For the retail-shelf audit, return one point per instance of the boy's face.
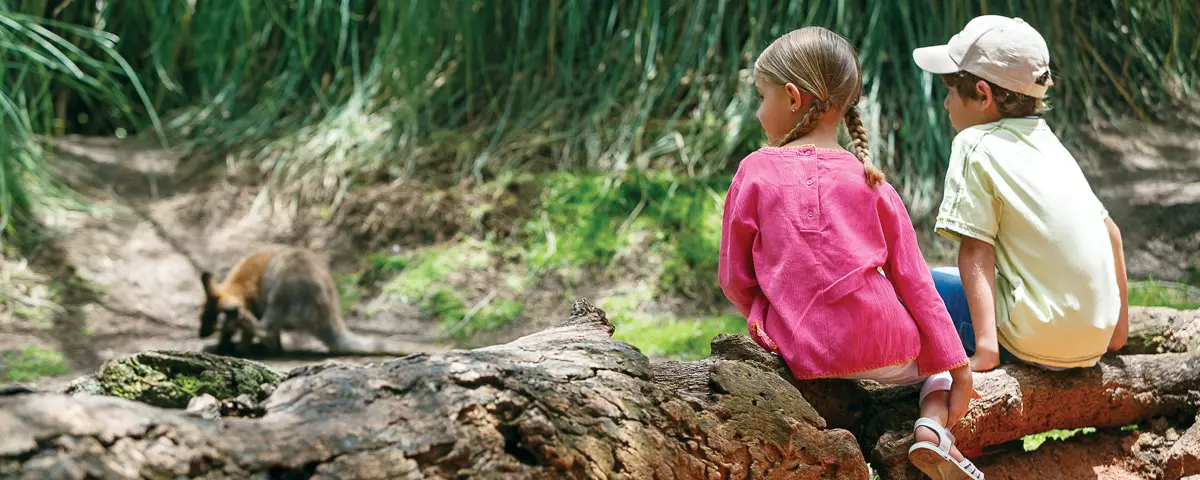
(966, 112)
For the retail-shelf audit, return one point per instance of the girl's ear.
(797, 98)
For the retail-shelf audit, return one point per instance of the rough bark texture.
(1018, 400)
(568, 402)
(1183, 459)
(1162, 330)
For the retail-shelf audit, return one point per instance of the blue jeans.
(949, 286)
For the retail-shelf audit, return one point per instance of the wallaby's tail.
(347, 342)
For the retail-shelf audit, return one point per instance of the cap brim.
(935, 60)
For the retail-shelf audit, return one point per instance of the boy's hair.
(1011, 104)
(824, 64)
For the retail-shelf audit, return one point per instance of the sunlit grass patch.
(31, 363)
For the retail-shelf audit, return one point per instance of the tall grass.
(44, 64)
(320, 91)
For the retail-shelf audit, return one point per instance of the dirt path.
(142, 257)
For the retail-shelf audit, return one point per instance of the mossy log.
(567, 402)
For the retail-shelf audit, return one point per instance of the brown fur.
(278, 288)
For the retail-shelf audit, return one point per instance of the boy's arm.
(1122, 331)
(970, 214)
(977, 265)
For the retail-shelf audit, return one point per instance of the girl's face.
(780, 108)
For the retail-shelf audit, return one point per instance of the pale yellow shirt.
(1012, 184)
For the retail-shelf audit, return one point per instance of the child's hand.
(984, 360)
(962, 390)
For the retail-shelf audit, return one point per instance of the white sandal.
(935, 460)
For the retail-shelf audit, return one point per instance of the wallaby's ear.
(206, 279)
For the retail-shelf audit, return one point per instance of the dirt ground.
(143, 254)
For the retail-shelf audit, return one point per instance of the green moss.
(171, 381)
(31, 363)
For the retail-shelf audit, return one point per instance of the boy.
(1042, 268)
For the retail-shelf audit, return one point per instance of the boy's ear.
(984, 92)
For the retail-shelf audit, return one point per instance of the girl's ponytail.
(861, 145)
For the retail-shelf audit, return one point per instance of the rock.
(205, 406)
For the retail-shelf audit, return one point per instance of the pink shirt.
(802, 238)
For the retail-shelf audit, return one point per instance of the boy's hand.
(984, 360)
(962, 390)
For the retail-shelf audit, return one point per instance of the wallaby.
(279, 288)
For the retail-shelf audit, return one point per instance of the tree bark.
(567, 402)
(1018, 400)
(1162, 330)
(1183, 459)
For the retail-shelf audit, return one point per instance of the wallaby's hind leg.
(271, 325)
(225, 341)
(248, 325)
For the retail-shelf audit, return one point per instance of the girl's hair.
(824, 64)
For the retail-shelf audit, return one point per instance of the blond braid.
(861, 145)
(805, 126)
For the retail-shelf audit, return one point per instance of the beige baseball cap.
(1005, 51)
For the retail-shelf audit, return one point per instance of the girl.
(816, 248)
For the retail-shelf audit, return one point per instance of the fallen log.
(1162, 330)
(567, 402)
(1020, 400)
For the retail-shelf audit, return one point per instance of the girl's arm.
(1122, 331)
(739, 232)
(941, 348)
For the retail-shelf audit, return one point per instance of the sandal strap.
(945, 438)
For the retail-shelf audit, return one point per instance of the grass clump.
(1033, 442)
(1153, 293)
(588, 219)
(349, 287)
(421, 273)
(487, 317)
(664, 335)
(31, 363)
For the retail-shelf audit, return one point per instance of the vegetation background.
(565, 146)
